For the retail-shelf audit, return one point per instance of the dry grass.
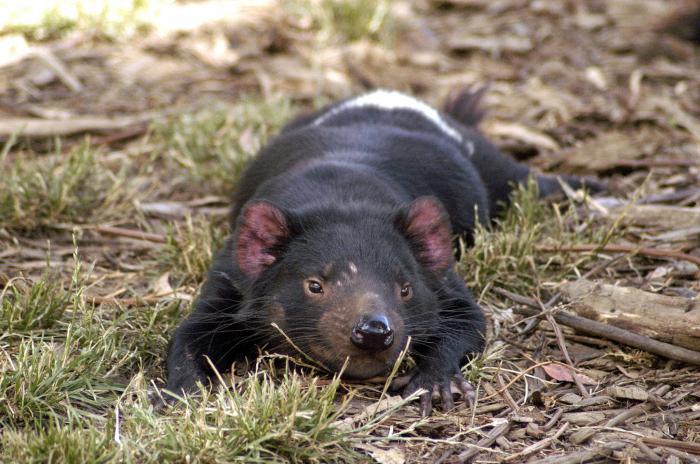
(85, 315)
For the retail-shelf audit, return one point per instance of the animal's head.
(346, 285)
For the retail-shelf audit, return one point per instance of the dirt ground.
(596, 88)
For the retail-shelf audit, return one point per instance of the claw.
(448, 402)
(466, 388)
(400, 382)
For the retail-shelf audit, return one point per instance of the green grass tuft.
(190, 247)
(342, 21)
(52, 19)
(214, 145)
(69, 189)
(507, 254)
(28, 305)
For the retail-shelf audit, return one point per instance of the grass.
(77, 378)
(65, 189)
(190, 248)
(65, 372)
(213, 146)
(52, 19)
(507, 256)
(340, 21)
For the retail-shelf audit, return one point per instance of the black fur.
(344, 188)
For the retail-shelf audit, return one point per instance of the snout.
(373, 332)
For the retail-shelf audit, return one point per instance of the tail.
(684, 22)
(464, 105)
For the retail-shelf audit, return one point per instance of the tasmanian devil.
(342, 239)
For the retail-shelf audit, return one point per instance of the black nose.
(373, 333)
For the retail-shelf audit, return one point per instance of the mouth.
(360, 364)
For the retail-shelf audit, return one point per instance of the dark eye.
(314, 287)
(406, 291)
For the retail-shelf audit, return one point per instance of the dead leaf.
(384, 456)
(563, 374)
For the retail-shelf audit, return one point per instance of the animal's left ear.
(427, 226)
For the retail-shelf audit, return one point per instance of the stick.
(582, 456)
(609, 332)
(484, 442)
(540, 445)
(693, 448)
(137, 234)
(584, 434)
(36, 127)
(562, 347)
(61, 71)
(676, 254)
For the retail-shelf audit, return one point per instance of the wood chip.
(584, 418)
(671, 319)
(629, 393)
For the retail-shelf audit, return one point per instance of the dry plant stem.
(656, 163)
(606, 331)
(674, 254)
(136, 234)
(682, 455)
(540, 445)
(503, 390)
(489, 440)
(582, 456)
(650, 454)
(36, 127)
(555, 418)
(565, 352)
(562, 343)
(693, 448)
(584, 435)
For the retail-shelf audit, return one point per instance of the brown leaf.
(563, 374)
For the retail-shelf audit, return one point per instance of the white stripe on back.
(393, 100)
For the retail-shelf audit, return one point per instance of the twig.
(36, 127)
(656, 163)
(650, 454)
(584, 434)
(496, 432)
(555, 418)
(59, 68)
(562, 344)
(505, 394)
(675, 254)
(682, 455)
(136, 234)
(582, 456)
(609, 332)
(681, 445)
(540, 445)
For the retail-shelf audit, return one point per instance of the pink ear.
(428, 227)
(261, 227)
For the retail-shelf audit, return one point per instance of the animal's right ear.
(427, 227)
(261, 227)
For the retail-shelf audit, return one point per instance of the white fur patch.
(392, 100)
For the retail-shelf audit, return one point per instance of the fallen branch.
(693, 448)
(675, 254)
(599, 329)
(670, 319)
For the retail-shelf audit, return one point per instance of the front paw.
(434, 381)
